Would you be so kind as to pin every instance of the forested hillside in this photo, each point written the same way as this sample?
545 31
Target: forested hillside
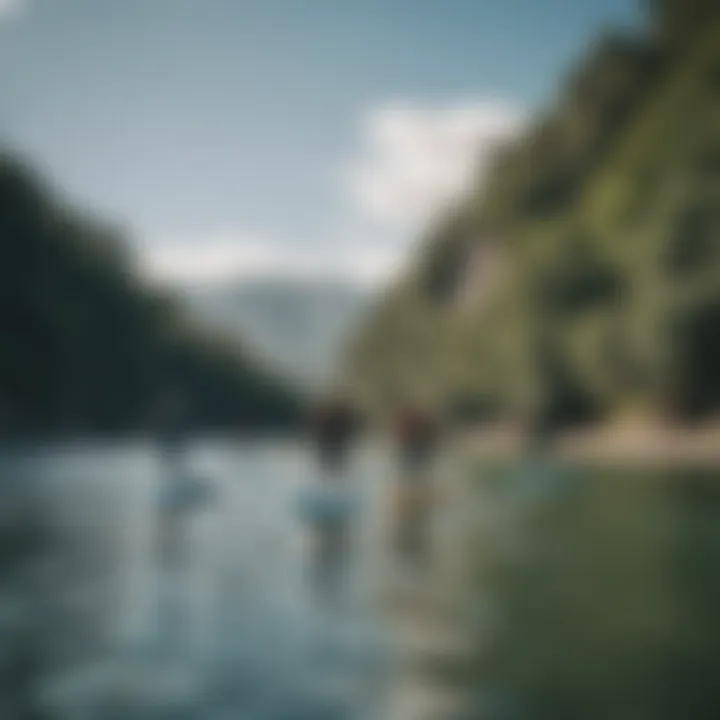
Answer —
85 347
583 281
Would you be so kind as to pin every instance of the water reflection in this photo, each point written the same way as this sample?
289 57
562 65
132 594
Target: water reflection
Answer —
183 587
596 591
556 591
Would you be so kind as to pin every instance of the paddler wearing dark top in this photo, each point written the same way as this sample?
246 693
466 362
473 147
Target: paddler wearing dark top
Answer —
334 428
170 424
417 437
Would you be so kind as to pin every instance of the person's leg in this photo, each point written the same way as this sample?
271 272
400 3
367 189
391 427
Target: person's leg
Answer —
331 557
404 517
414 519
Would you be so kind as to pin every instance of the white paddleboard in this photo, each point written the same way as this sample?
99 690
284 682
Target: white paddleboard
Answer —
320 504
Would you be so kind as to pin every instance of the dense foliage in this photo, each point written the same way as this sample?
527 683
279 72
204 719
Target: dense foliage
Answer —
87 347
599 231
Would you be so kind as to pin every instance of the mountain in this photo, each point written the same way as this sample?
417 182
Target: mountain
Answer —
298 326
86 346
583 281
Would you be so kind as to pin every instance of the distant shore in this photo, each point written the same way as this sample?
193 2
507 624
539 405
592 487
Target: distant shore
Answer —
633 442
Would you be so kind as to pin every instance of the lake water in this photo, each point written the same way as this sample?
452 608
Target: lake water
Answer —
593 591
597 589
134 615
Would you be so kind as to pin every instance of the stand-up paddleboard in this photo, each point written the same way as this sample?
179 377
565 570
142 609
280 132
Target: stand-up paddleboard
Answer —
321 504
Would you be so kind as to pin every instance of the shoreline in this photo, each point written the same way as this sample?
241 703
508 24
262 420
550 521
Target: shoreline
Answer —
639 442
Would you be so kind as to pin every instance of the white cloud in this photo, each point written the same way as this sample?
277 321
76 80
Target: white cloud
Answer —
209 259
235 256
8 7
414 160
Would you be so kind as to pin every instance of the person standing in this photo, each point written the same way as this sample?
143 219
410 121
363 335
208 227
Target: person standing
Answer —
417 440
170 425
180 496
329 507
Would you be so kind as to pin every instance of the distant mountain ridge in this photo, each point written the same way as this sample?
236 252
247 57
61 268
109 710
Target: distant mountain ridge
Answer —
300 326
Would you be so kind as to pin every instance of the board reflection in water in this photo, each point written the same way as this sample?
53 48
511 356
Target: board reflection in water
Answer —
184 495
329 511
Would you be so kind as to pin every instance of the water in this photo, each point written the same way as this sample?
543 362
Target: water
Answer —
212 615
596 591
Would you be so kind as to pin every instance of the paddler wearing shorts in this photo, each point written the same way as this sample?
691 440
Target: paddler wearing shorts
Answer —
417 439
334 428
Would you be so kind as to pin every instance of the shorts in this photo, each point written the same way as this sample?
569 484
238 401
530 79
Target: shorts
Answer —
416 459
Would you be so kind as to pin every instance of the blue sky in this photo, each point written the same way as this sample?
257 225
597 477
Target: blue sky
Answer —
252 136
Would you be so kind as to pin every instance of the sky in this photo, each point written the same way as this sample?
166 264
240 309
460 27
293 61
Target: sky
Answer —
283 137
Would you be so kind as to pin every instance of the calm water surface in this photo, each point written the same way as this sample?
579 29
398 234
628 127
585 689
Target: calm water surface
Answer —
211 617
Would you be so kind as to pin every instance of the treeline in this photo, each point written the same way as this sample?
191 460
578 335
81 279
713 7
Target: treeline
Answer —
583 281
87 347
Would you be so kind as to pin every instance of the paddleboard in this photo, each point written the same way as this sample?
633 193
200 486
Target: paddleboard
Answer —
327 504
